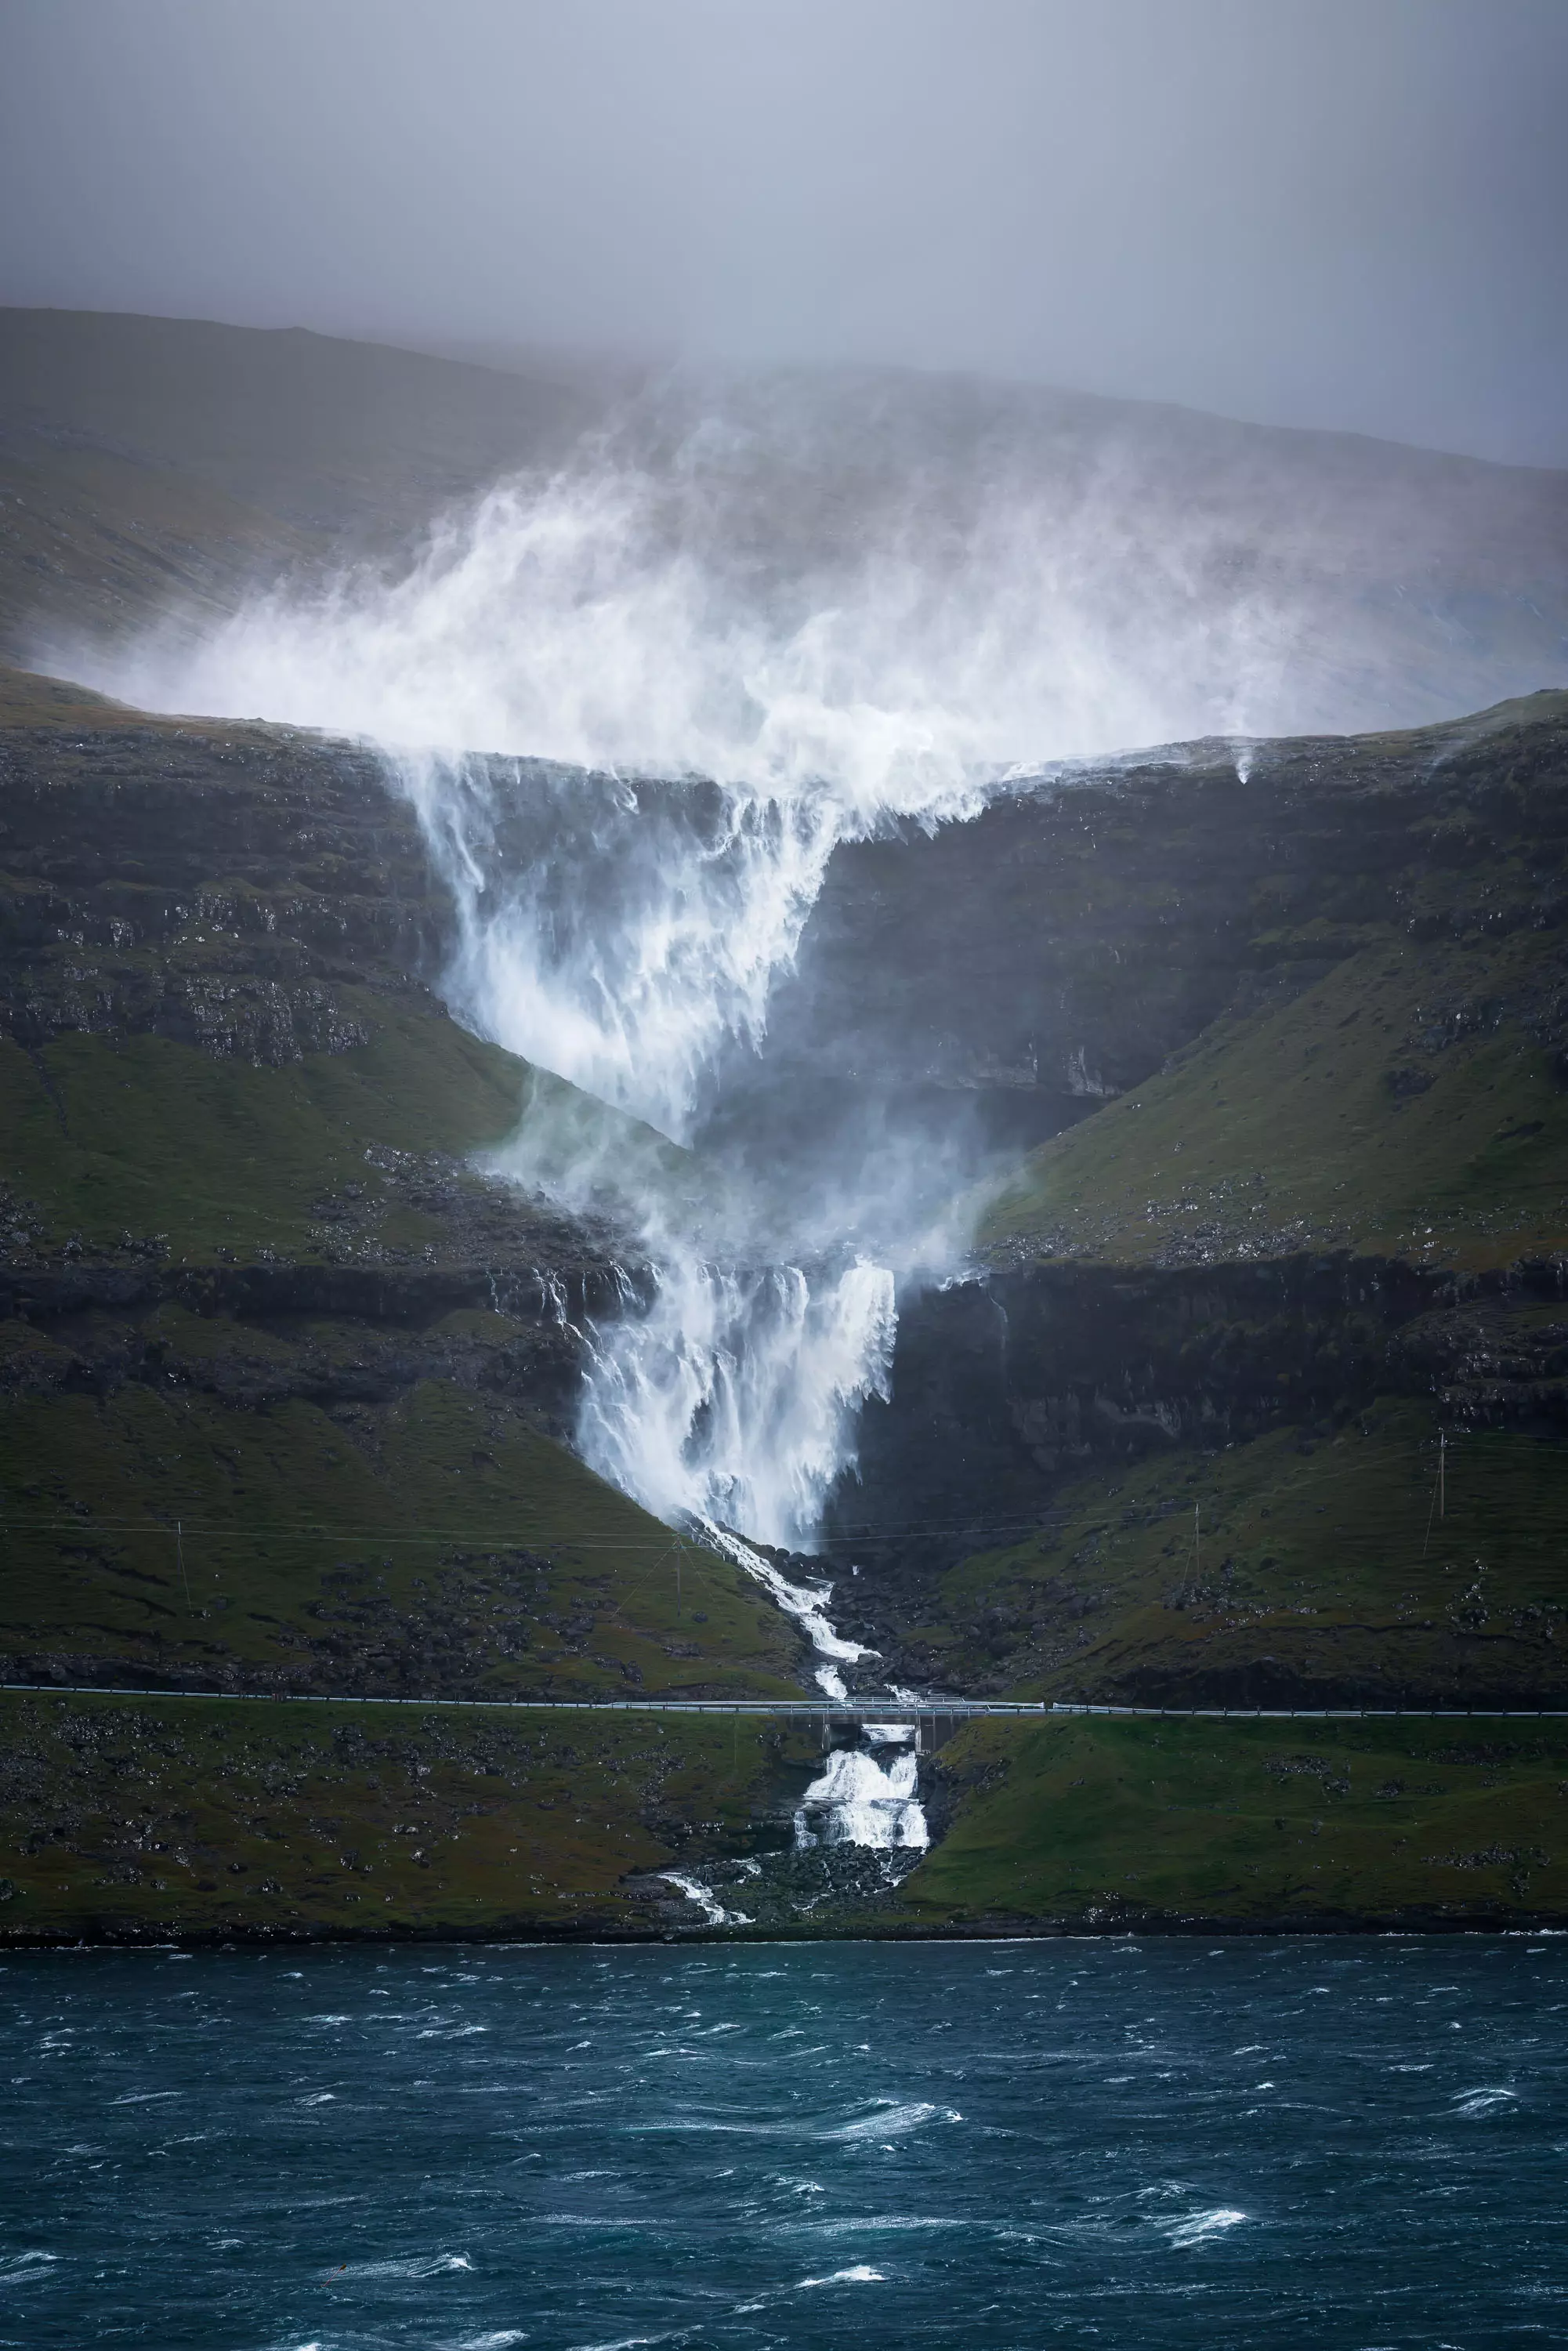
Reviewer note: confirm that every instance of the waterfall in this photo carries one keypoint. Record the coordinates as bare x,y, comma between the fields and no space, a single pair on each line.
733,1398
667,682
861,1800
623,934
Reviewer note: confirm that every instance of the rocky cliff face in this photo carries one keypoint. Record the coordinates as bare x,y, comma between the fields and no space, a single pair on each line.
255,1300
220,885
1058,950
1300,1038
262,903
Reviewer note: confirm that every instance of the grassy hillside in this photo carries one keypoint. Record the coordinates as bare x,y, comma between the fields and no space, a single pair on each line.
1105,1823
234,1531
140,1820
149,464
1391,1075
1306,1567
285,1381
104,1135
1399,1107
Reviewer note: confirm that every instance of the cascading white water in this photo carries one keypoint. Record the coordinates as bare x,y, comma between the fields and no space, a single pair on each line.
731,1402
629,619
860,1799
616,932
625,936
731,1399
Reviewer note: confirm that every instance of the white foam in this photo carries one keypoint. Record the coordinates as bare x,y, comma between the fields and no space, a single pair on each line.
731,1400
893,2121
857,1800
806,1602
621,2342
1483,2100
24,2269
423,2265
1199,2227
862,2274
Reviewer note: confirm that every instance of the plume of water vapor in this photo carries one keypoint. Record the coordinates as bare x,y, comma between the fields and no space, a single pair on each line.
602,618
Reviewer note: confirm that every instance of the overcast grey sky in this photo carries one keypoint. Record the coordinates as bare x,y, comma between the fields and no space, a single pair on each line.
1346,213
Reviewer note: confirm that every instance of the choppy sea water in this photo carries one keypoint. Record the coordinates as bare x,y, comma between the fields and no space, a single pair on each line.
1352,2142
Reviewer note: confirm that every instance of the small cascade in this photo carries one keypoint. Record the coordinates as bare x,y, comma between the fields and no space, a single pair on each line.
806,1602
713,1910
867,1795
858,1828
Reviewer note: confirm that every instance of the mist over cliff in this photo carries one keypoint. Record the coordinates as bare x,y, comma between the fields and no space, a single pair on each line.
640,693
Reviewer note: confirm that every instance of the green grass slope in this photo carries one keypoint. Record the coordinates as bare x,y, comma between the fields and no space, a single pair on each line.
286,1383
1105,1825
1393,1075
145,1134
1394,1107
1300,1568
141,1820
429,1542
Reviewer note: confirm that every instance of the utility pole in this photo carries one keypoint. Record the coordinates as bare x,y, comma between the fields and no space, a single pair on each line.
180,1554
1442,1460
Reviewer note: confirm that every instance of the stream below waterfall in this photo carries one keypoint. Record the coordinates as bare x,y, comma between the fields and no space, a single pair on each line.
867,1795
863,1807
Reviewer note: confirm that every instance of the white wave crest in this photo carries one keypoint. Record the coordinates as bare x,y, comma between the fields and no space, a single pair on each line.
26,2269
1199,2227
1483,2100
419,2265
892,2121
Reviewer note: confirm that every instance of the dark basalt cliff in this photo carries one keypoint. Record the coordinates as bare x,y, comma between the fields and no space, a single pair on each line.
255,1297
1056,951
220,887
263,901
1302,1042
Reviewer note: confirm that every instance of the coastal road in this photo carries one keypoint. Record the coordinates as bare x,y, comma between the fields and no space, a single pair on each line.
944,1710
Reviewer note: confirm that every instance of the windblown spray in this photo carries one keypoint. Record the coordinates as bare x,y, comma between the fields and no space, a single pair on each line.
569,638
